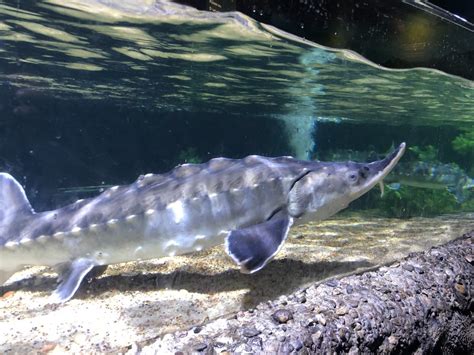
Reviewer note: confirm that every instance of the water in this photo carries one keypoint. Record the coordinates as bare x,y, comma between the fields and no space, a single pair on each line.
94,94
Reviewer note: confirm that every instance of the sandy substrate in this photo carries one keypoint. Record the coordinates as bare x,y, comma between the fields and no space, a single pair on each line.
421,304
132,304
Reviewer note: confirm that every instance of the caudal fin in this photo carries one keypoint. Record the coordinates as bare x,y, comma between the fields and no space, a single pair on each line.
13,205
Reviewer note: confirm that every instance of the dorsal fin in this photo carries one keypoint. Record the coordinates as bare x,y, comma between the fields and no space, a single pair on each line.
13,201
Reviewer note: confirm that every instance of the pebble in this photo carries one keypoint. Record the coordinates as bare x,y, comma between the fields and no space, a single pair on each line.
460,288
282,316
353,302
340,311
343,333
320,318
48,347
360,334
255,342
469,258
419,270
301,299
308,341
200,347
7,294
316,336
392,339
408,267
354,351
353,313
297,344
250,332
286,348
332,283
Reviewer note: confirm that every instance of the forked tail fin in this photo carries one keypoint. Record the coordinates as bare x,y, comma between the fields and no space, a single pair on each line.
13,204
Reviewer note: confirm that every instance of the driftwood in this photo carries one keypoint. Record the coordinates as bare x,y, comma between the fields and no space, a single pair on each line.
421,304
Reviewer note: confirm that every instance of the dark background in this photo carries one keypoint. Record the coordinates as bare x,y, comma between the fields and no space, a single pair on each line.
391,33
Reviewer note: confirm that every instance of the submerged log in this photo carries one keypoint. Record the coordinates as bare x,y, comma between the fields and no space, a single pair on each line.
421,304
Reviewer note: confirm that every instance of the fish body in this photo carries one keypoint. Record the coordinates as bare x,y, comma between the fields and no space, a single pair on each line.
434,176
249,204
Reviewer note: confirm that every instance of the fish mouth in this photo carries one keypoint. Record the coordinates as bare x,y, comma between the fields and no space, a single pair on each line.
383,167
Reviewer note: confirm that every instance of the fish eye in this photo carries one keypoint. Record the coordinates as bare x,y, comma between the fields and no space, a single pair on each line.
352,177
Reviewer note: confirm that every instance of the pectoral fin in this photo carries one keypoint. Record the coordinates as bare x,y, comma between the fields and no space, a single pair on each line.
71,276
253,247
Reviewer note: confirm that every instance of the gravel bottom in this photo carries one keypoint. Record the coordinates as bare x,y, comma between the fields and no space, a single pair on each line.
422,304
132,305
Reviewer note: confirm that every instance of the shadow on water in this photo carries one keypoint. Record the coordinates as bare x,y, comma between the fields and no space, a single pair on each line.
278,278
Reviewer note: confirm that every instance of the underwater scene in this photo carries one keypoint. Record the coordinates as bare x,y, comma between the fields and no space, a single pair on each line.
96,94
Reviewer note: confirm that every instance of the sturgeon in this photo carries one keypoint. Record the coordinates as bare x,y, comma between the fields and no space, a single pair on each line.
249,204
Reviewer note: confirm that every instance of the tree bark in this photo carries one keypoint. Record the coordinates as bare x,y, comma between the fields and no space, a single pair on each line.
422,304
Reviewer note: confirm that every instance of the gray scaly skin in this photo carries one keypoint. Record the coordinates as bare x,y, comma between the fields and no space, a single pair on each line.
249,204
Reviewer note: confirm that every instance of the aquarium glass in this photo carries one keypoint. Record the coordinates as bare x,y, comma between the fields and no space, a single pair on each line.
94,94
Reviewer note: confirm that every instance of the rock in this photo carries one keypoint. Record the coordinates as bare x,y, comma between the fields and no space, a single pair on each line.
301,299
7,294
320,318
308,341
297,344
332,283
393,340
469,258
340,311
429,310
200,347
250,332
460,288
197,330
353,302
286,348
282,316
